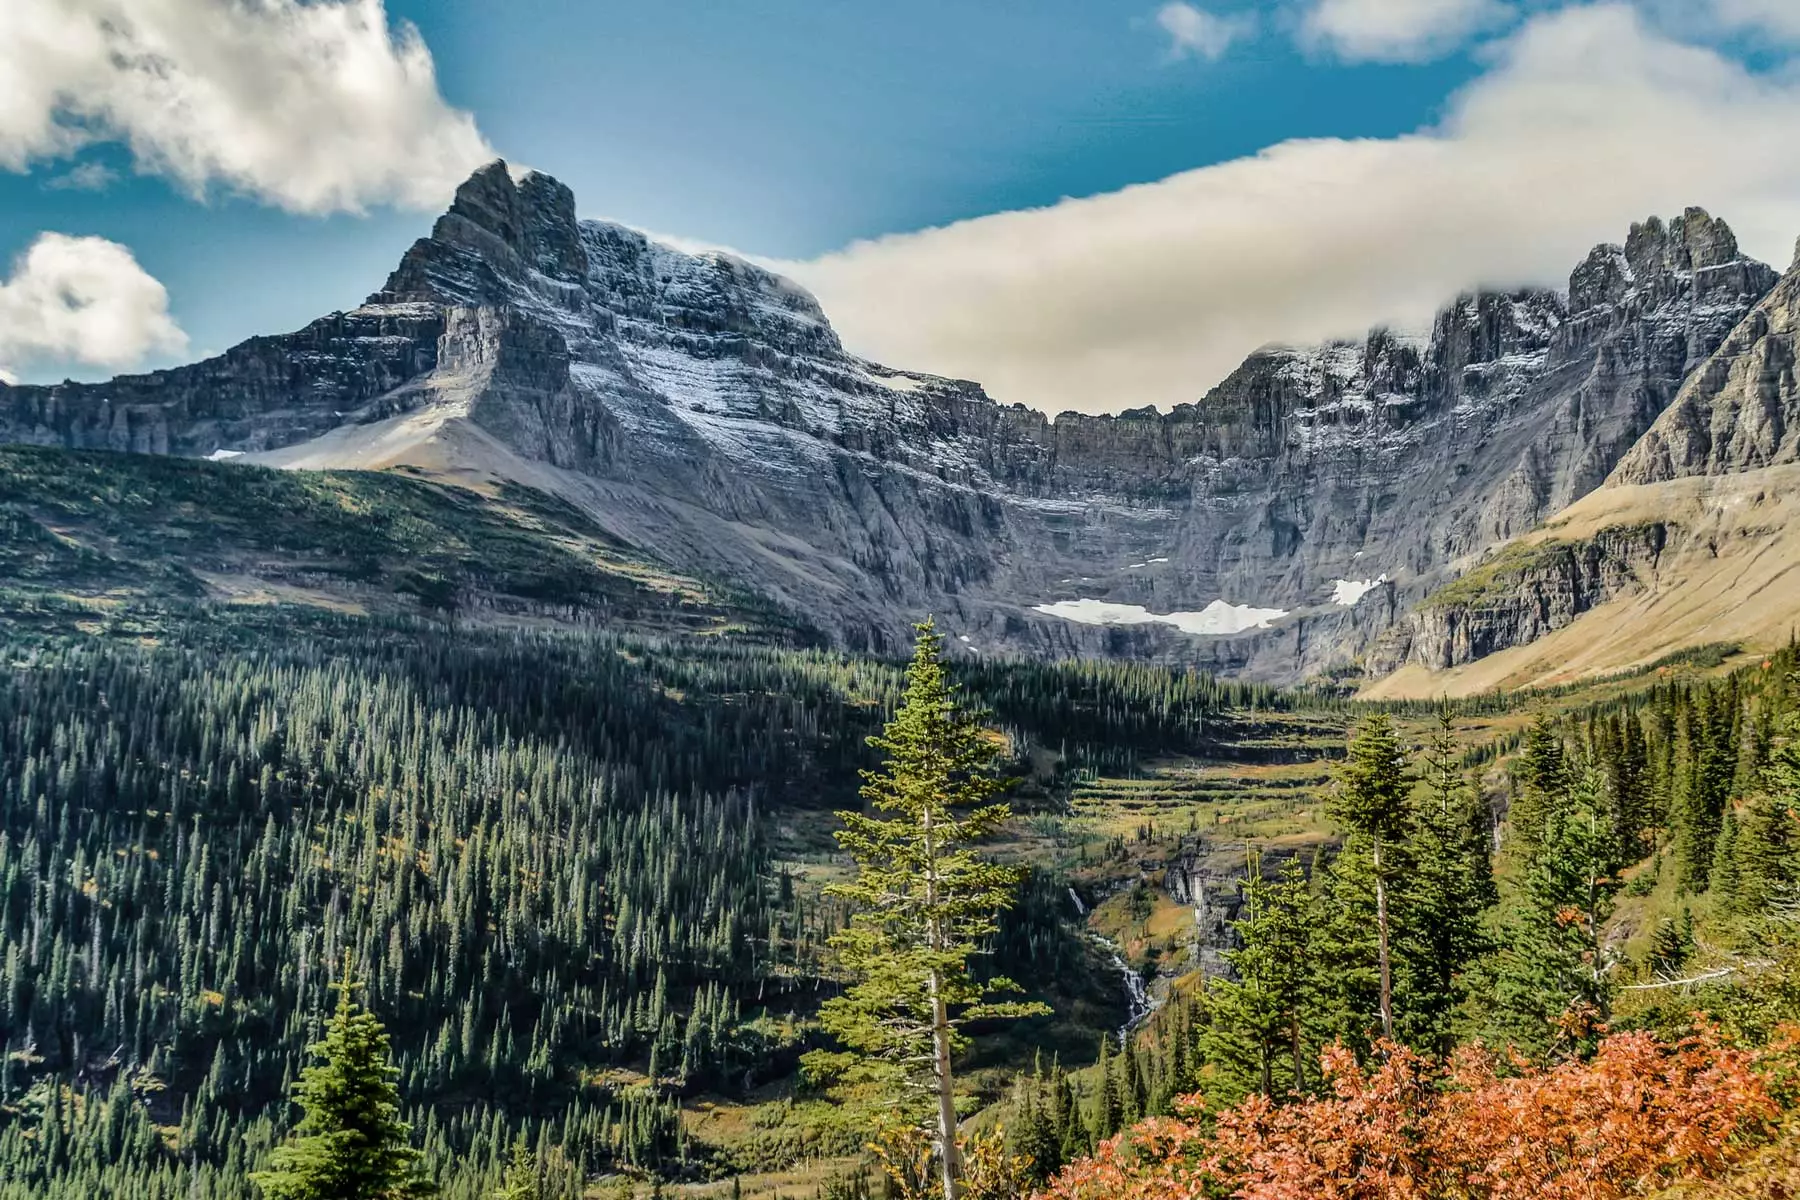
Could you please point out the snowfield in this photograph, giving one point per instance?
(1347, 592)
(1216, 619)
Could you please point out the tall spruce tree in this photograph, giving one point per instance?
(1707, 761)
(1767, 839)
(1548, 985)
(351, 1143)
(1257, 1019)
(1539, 785)
(1372, 799)
(522, 1180)
(924, 900)
(1448, 891)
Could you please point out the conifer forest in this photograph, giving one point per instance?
(585, 912)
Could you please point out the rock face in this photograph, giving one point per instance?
(704, 409)
(1739, 413)
(1526, 590)
(1210, 878)
(268, 391)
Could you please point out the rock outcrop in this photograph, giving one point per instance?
(1526, 590)
(1742, 411)
(703, 409)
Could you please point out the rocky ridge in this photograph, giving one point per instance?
(1738, 415)
(703, 409)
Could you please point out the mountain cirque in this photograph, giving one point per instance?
(704, 411)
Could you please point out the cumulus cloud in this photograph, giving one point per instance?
(1586, 120)
(1195, 32)
(317, 107)
(86, 300)
(1397, 30)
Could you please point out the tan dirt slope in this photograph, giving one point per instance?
(1731, 574)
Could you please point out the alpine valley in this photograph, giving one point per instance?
(521, 656)
(1394, 509)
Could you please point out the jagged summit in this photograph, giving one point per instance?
(703, 409)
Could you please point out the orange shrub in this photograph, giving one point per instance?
(1638, 1115)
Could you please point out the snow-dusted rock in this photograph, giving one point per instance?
(704, 409)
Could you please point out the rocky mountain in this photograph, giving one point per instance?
(1742, 412)
(1693, 538)
(702, 409)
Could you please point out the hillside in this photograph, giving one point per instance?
(1690, 541)
(703, 410)
(95, 540)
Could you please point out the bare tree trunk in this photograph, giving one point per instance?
(1299, 1058)
(940, 1039)
(1381, 927)
(940, 1031)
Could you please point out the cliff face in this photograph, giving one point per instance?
(268, 391)
(1737, 415)
(1523, 592)
(1742, 411)
(704, 409)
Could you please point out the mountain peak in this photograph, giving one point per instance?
(509, 225)
(1658, 254)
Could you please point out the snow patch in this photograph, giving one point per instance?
(1347, 592)
(898, 383)
(1215, 619)
(222, 455)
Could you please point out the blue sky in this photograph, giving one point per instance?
(791, 130)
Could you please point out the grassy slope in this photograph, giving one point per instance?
(91, 537)
(1732, 575)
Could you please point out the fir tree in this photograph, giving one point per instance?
(1258, 1017)
(1767, 849)
(1539, 785)
(1372, 799)
(1671, 943)
(351, 1143)
(522, 1180)
(1548, 985)
(1448, 891)
(924, 901)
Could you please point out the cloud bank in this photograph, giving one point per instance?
(1586, 120)
(82, 299)
(316, 107)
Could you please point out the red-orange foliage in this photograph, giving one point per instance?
(1638, 1115)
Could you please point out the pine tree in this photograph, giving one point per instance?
(1540, 783)
(1672, 942)
(521, 1181)
(1258, 1018)
(1548, 984)
(1767, 849)
(1448, 892)
(1035, 1133)
(1372, 799)
(351, 1143)
(924, 901)
(1703, 785)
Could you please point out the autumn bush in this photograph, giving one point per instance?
(1637, 1116)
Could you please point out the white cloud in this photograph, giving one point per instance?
(315, 106)
(1585, 121)
(85, 177)
(1201, 34)
(1397, 30)
(86, 300)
